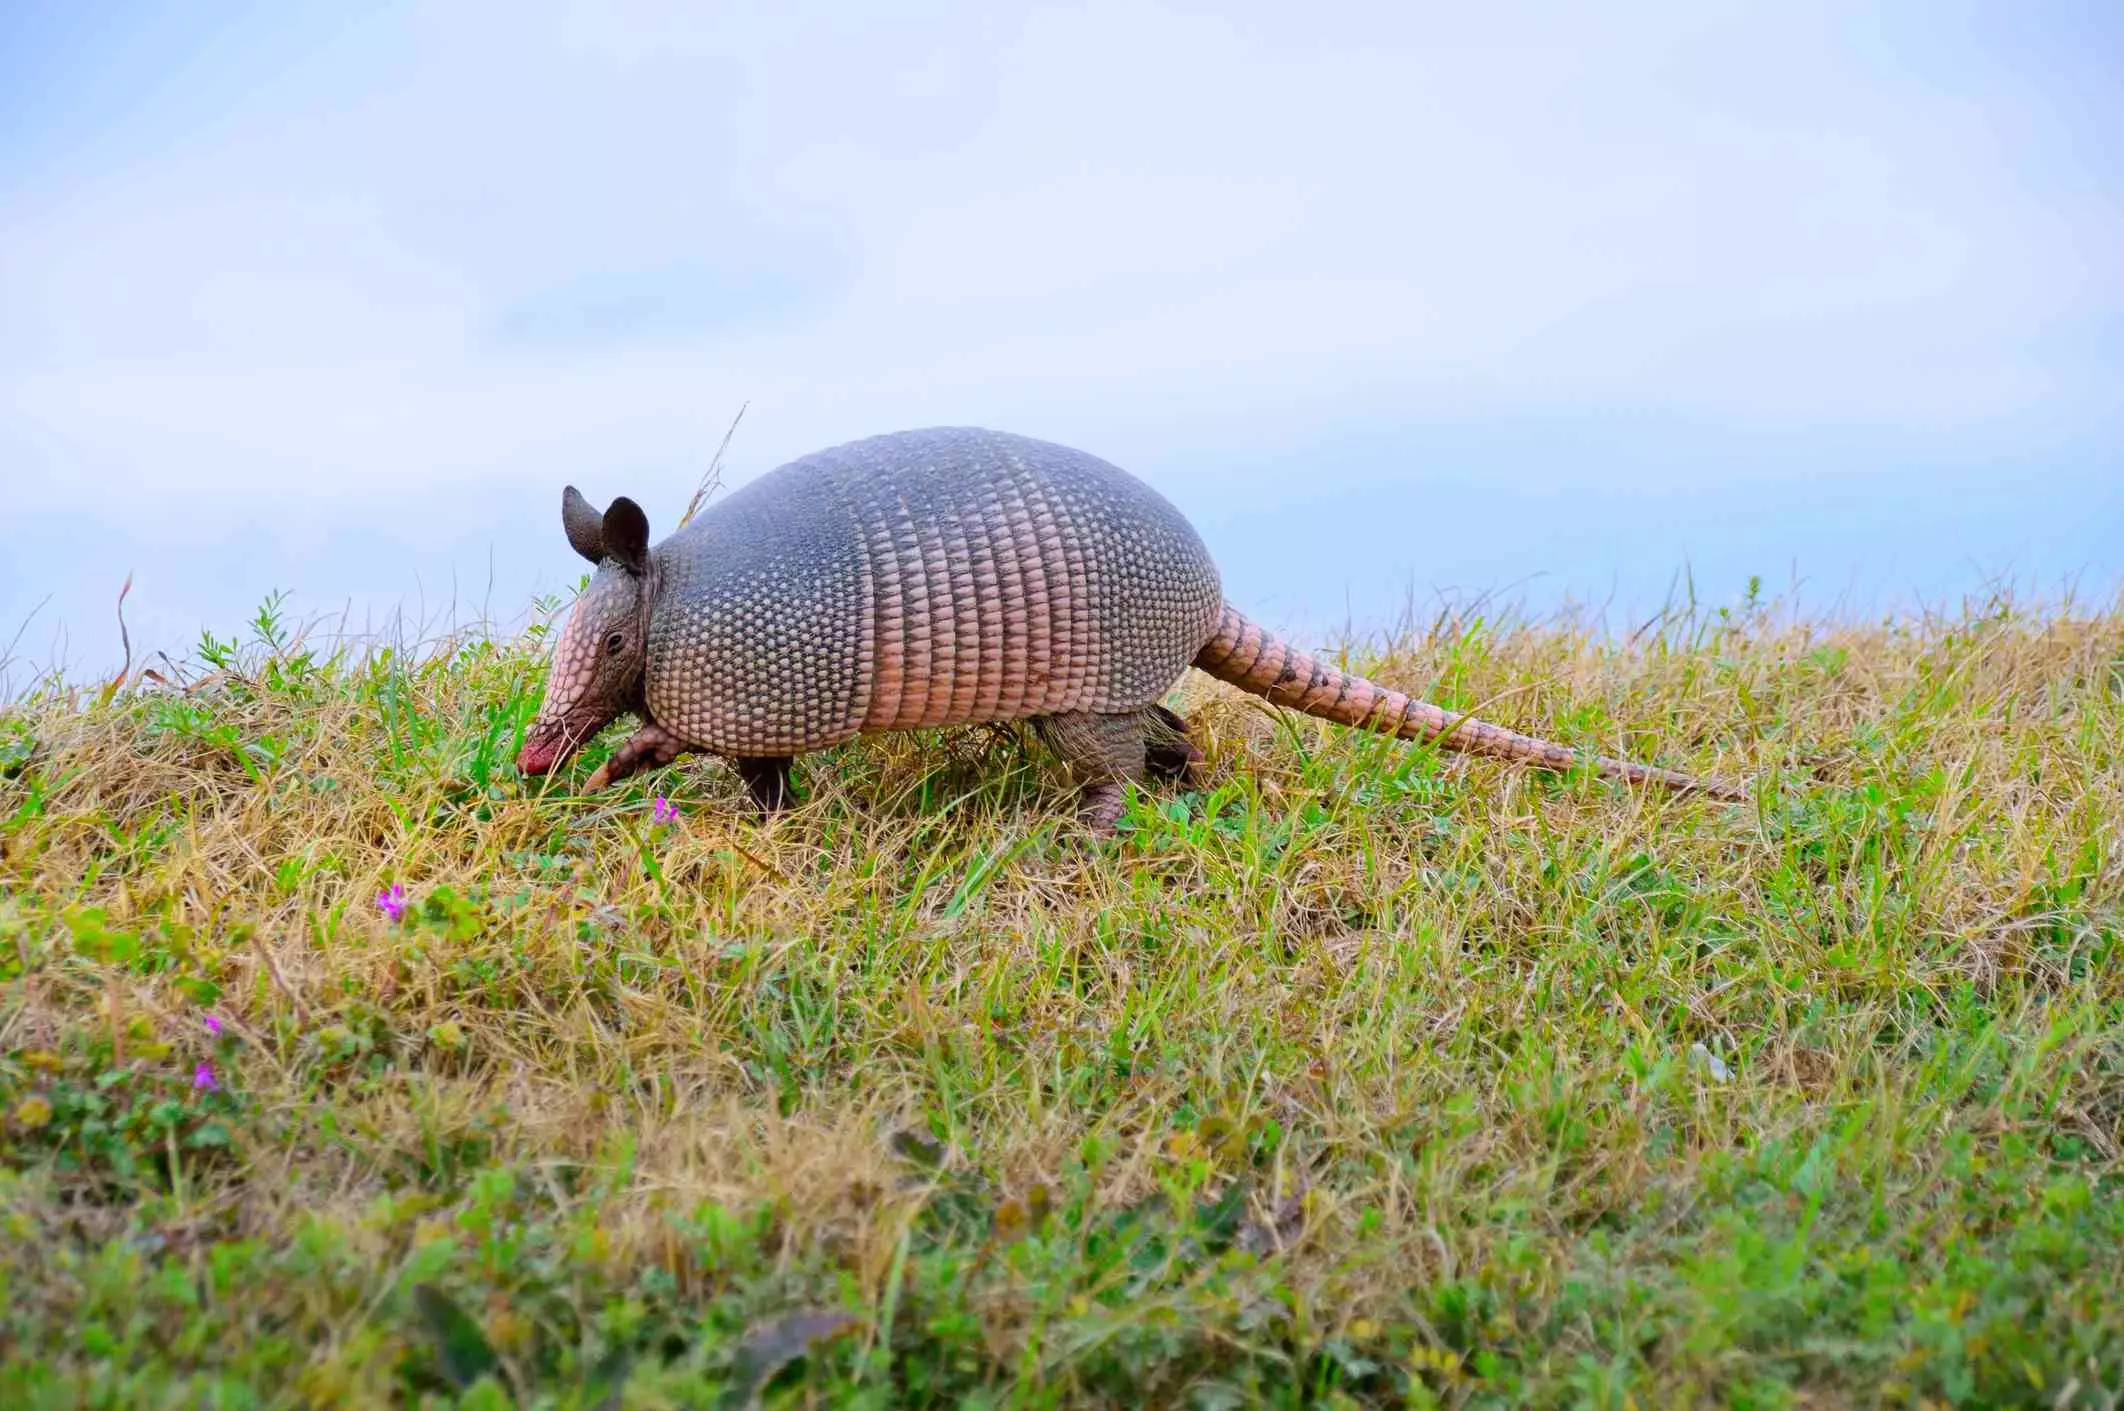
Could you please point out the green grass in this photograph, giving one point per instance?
(1360, 1076)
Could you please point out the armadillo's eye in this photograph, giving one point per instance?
(615, 642)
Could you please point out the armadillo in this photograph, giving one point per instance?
(949, 576)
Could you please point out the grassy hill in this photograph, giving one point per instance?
(338, 1068)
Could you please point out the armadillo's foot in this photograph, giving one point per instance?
(647, 748)
(1099, 806)
(767, 780)
(1105, 752)
(1169, 753)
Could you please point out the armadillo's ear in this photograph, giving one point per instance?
(585, 526)
(626, 533)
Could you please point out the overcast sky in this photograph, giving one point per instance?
(1391, 298)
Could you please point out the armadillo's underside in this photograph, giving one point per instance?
(923, 578)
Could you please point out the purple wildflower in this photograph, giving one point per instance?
(393, 902)
(213, 1027)
(665, 811)
(203, 1078)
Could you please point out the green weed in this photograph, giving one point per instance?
(341, 1067)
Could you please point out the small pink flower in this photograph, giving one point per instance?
(213, 1027)
(664, 810)
(203, 1078)
(393, 902)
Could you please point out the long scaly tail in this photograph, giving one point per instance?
(1248, 656)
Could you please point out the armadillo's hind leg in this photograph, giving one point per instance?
(767, 780)
(1104, 752)
(1169, 755)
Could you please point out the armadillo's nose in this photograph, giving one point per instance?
(540, 753)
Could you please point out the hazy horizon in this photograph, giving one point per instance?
(1390, 300)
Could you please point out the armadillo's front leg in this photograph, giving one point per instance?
(647, 748)
(767, 780)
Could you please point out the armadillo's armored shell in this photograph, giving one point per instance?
(922, 578)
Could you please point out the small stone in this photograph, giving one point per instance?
(1711, 1063)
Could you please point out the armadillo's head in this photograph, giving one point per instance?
(597, 663)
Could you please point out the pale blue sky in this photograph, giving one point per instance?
(1391, 298)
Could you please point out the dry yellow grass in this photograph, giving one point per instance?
(1358, 1074)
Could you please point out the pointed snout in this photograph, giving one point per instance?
(546, 744)
(538, 756)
